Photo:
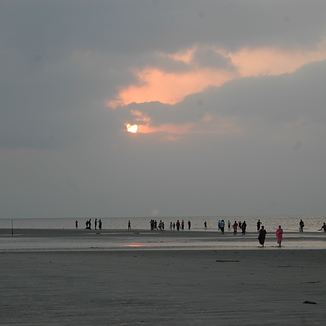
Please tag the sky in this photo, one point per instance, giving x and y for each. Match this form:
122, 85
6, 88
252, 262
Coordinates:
162, 108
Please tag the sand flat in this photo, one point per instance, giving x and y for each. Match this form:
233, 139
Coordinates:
178, 287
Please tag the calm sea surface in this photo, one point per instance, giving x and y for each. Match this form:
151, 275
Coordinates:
288, 223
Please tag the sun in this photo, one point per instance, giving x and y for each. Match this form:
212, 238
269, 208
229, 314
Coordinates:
132, 128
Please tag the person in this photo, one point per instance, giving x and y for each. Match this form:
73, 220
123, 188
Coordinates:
100, 224
229, 225
244, 227
95, 223
205, 225
235, 227
178, 225
323, 227
262, 236
279, 235
258, 225
76, 223
182, 225
301, 224
222, 226
189, 225
129, 225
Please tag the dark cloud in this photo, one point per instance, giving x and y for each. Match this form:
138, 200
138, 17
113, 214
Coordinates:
65, 153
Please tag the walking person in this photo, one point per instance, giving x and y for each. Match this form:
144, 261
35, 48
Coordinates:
235, 227
279, 235
262, 236
301, 225
258, 225
244, 227
222, 226
129, 225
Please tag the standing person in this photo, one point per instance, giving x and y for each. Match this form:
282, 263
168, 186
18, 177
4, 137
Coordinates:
258, 225
222, 226
189, 225
301, 225
100, 224
244, 227
178, 225
129, 225
182, 225
95, 223
262, 236
76, 223
205, 225
235, 227
279, 235
229, 225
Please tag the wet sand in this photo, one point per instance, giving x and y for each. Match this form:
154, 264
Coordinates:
163, 287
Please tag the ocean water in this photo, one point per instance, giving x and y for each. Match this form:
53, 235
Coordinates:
271, 223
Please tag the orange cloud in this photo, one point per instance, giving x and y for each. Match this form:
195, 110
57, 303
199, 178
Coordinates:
209, 124
273, 61
171, 88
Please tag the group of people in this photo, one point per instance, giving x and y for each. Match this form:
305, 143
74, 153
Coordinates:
241, 225
262, 235
179, 225
156, 226
97, 223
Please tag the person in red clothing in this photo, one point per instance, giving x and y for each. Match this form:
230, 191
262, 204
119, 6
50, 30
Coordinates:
235, 227
279, 235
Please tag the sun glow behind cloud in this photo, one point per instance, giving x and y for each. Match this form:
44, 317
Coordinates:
131, 128
155, 84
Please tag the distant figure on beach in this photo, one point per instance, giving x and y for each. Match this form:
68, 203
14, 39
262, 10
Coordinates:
262, 236
279, 235
323, 227
229, 225
100, 224
222, 226
258, 225
178, 225
244, 227
235, 227
301, 225
182, 225
189, 225
89, 224
95, 223
205, 225
129, 225
76, 223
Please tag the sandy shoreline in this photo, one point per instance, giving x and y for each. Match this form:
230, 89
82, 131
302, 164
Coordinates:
163, 288
133, 284
67, 240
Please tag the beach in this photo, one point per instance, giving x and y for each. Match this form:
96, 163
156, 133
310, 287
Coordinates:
142, 285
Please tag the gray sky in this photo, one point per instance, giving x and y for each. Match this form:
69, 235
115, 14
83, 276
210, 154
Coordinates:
228, 96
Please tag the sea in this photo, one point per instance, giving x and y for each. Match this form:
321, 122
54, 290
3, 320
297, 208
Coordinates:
271, 223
